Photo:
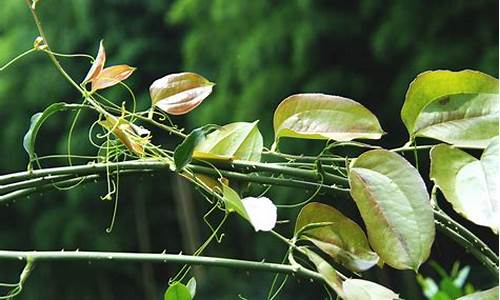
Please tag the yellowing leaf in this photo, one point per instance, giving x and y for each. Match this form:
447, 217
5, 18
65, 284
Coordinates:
132, 136
340, 238
320, 116
460, 108
111, 76
179, 93
98, 64
240, 140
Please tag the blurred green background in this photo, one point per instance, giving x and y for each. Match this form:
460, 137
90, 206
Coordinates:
258, 52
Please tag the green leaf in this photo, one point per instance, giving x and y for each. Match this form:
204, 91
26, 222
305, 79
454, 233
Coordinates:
326, 270
469, 184
394, 204
191, 285
36, 122
491, 294
319, 116
232, 201
183, 153
358, 289
342, 239
177, 291
240, 140
460, 108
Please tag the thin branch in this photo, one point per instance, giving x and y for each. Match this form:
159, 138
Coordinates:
86, 256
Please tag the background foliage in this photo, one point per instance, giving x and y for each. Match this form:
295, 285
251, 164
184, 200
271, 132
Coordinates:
258, 52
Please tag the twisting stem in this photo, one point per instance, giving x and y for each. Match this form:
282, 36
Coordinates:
85, 256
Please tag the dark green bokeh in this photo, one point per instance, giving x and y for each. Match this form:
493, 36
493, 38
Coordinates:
258, 52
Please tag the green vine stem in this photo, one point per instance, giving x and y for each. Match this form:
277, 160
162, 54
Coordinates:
468, 240
86, 256
444, 223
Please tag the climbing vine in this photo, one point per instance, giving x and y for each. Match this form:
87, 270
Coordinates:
456, 110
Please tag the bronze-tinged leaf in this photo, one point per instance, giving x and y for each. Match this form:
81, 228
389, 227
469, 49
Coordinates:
179, 93
111, 76
132, 136
98, 64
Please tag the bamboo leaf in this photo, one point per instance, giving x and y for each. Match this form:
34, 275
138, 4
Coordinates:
358, 289
320, 116
240, 140
459, 108
179, 93
469, 184
394, 204
342, 239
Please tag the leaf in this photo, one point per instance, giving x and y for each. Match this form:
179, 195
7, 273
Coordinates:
460, 108
240, 140
111, 76
191, 285
179, 93
36, 122
469, 184
320, 116
358, 289
98, 64
177, 291
232, 201
261, 212
183, 153
135, 138
326, 270
394, 204
491, 294
342, 239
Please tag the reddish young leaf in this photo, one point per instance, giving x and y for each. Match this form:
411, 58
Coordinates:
98, 64
111, 76
180, 93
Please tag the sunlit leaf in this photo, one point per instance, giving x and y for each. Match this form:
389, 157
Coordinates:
179, 93
394, 204
459, 108
469, 184
491, 294
132, 136
111, 76
261, 211
191, 285
358, 289
177, 291
36, 122
326, 270
98, 64
232, 201
342, 239
240, 140
184, 152
320, 116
